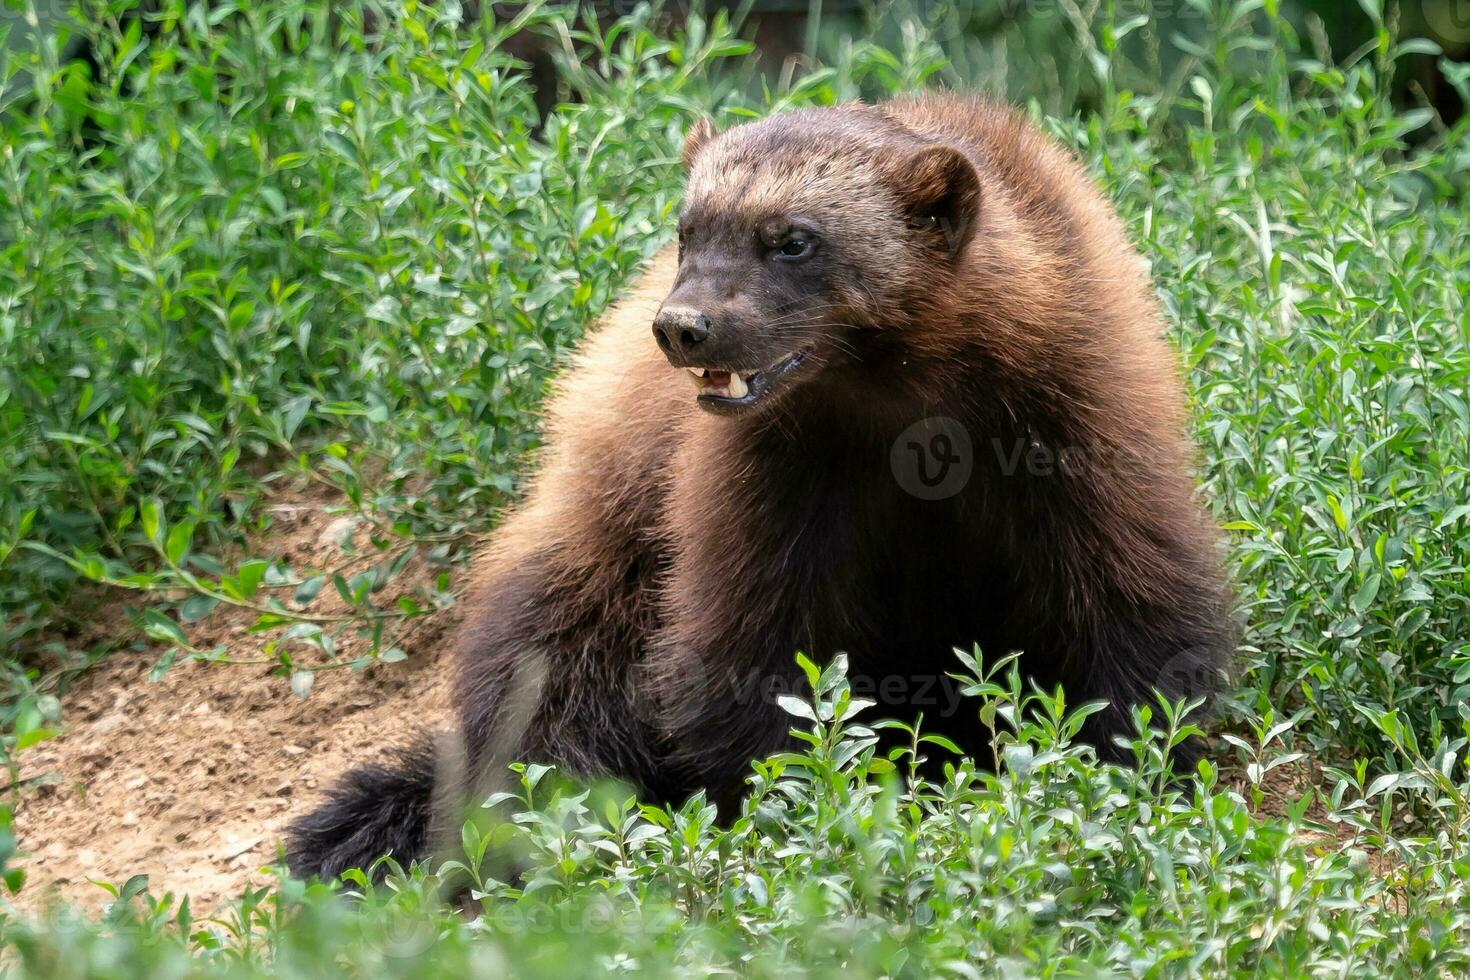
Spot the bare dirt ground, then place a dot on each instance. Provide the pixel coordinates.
(192, 779)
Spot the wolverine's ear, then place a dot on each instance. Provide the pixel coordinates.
(941, 192)
(699, 134)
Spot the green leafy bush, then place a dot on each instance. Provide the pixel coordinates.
(335, 242)
(844, 860)
(287, 234)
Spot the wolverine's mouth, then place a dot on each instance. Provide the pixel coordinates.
(730, 391)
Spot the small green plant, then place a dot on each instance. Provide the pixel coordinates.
(844, 858)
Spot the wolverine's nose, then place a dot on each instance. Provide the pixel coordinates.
(679, 330)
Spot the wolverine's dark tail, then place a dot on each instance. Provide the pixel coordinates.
(375, 810)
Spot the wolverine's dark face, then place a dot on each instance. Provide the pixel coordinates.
(752, 307)
(797, 234)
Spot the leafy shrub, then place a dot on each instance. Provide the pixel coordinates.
(331, 242)
(290, 238)
(844, 860)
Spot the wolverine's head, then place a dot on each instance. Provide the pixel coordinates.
(799, 234)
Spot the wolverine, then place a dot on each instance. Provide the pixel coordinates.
(900, 388)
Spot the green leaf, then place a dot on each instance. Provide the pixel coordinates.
(34, 737)
(197, 606)
(942, 742)
(152, 523)
(177, 546)
(133, 887)
(159, 627)
(249, 576)
(796, 706)
(1363, 600)
(308, 590)
(812, 671)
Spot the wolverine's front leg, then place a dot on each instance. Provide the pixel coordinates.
(1133, 661)
(718, 706)
(551, 672)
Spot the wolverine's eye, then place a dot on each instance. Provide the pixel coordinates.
(794, 248)
(785, 241)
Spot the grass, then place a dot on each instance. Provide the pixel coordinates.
(290, 244)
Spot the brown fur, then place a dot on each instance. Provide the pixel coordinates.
(668, 563)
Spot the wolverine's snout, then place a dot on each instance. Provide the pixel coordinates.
(717, 336)
(679, 331)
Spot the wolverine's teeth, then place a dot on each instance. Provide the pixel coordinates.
(698, 372)
(737, 386)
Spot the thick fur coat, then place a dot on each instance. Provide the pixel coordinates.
(967, 309)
